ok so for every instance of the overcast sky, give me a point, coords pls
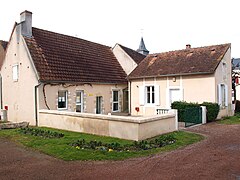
(167, 24)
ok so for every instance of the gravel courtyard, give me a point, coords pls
(216, 157)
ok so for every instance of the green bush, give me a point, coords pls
(41, 133)
(181, 106)
(237, 107)
(135, 146)
(212, 110)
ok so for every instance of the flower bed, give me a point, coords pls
(41, 133)
(135, 146)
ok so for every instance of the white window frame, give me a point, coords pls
(222, 103)
(81, 101)
(15, 72)
(114, 102)
(66, 99)
(151, 94)
(143, 95)
(100, 104)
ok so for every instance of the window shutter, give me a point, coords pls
(226, 95)
(157, 95)
(141, 95)
(219, 95)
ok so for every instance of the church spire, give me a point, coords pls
(142, 48)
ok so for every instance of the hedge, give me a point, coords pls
(212, 109)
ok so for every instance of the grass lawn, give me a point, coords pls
(230, 120)
(60, 148)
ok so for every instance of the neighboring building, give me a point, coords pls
(235, 78)
(128, 58)
(192, 75)
(3, 47)
(47, 70)
(142, 48)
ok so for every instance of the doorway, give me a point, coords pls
(125, 101)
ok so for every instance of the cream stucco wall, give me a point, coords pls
(224, 77)
(133, 128)
(91, 91)
(193, 88)
(19, 95)
(127, 63)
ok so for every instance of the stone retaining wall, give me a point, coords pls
(125, 127)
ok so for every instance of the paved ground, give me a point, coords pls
(217, 157)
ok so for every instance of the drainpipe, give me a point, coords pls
(36, 104)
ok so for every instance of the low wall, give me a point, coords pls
(124, 127)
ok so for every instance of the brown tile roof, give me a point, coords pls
(137, 57)
(4, 44)
(62, 58)
(181, 62)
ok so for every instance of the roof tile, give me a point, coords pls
(180, 62)
(62, 58)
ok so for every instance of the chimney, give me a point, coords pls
(188, 46)
(26, 23)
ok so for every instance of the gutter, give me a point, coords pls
(167, 75)
(36, 103)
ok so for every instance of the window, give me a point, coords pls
(79, 101)
(99, 105)
(15, 72)
(222, 95)
(115, 104)
(62, 99)
(150, 95)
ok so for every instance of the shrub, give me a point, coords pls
(237, 107)
(181, 106)
(41, 133)
(212, 110)
(135, 146)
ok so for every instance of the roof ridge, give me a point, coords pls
(71, 37)
(131, 49)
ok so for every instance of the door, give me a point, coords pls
(175, 95)
(125, 100)
(79, 101)
(99, 105)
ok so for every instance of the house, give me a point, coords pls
(192, 75)
(48, 70)
(3, 47)
(235, 78)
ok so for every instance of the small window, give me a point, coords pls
(115, 104)
(62, 99)
(79, 101)
(15, 72)
(99, 105)
(150, 94)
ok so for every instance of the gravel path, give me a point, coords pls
(216, 157)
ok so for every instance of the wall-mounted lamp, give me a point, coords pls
(174, 79)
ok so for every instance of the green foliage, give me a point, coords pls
(59, 147)
(135, 146)
(41, 133)
(231, 120)
(212, 110)
(181, 106)
(237, 107)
